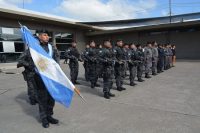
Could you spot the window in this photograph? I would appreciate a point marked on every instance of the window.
(63, 40)
(1, 46)
(19, 47)
(62, 47)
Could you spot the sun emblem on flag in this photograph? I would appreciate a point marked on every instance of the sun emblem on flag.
(42, 64)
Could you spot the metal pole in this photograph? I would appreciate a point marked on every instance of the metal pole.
(170, 11)
(23, 4)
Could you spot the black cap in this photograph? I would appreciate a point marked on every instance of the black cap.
(131, 44)
(138, 45)
(42, 31)
(125, 44)
(118, 40)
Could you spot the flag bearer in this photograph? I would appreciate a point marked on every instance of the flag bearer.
(45, 101)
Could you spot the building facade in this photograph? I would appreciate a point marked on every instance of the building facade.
(182, 31)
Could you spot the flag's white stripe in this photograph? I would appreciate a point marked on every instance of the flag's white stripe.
(52, 71)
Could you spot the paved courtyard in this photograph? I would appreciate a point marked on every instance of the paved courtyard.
(166, 103)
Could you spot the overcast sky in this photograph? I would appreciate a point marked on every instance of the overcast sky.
(104, 10)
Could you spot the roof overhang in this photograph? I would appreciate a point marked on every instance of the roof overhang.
(27, 15)
(148, 28)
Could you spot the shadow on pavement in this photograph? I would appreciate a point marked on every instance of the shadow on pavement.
(31, 110)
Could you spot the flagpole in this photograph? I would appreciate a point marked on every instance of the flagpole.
(20, 24)
(78, 92)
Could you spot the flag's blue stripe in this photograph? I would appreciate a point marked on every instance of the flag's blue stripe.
(33, 42)
(60, 93)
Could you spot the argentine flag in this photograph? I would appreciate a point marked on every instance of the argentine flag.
(55, 80)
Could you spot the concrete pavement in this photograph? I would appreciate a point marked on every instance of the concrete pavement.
(166, 103)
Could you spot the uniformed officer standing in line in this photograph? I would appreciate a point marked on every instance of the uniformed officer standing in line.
(167, 57)
(170, 55)
(148, 59)
(107, 57)
(126, 49)
(119, 65)
(92, 58)
(28, 74)
(155, 58)
(57, 55)
(86, 64)
(132, 63)
(45, 101)
(161, 58)
(100, 65)
(140, 60)
(166, 54)
(173, 48)
(74, 56)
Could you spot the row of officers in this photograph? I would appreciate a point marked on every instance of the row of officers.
(105, 62)
(113, 62)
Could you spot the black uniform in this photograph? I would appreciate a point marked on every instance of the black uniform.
(28, 74)
(140, 66)
(126, 51)
(132, 64)
(119, 67)
(74, 56)
(107, 57)
(85, 64)
(45, 101)
(92, 58)
(161, 59)
(100, 64)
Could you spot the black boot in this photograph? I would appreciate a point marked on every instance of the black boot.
(122, 88)
(106, 95)
(119, 89)
(97, 85)
(92, 85)
(154, 74)
(132, 84)
(147, 76)
(111, 95)
(77, 83)
(140, 80)
(45, 123)
(52, 120)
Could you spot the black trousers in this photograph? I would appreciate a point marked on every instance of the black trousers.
(119, 74)
(133, 71)
(161, 64)
(31, 87)
(108, 75)
(93, 74)
(86, 71)
(140, 70)
(45, 101)
(74, 66)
